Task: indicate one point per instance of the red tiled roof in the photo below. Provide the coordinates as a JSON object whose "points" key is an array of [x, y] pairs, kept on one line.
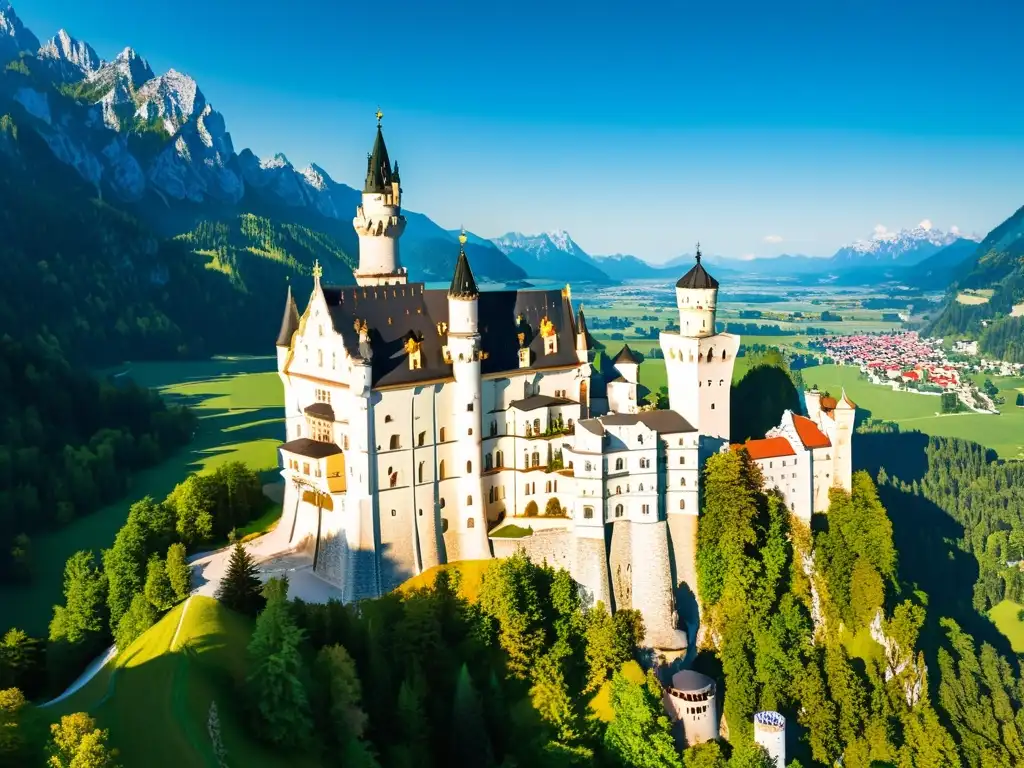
{"points": [[768, 448], [809, 434]]}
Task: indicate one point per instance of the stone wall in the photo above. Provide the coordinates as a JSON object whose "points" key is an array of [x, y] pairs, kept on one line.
{"points": [[682, 536], [620, 565], [652, 586], [590, 570]]}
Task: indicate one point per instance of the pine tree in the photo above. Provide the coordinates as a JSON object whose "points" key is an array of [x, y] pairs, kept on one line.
{"points": [[178, 571], [241, 589], [158, 586], [470, 742], [276, 683], [83, 614], [140, 616], [640, 736]]}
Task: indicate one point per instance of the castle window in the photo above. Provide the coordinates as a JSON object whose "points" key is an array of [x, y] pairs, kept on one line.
{"points": [[469, 431], [535, 459], [419, 472], [494, 428], [712, 406], [646, 509], [682, 482], [441, 503], [618, 489], [469, 503], [334, 360], [420, 512], [682, 460], [441, 473], [490, 495], [588, 466], [618, 510], [723, 354], [619, 464], [469, 467], [394, 513], [640, 439], [421, 438], [396, 442], [682, 503], [487, 462], [721, 382], [570, 425], [441, 438], [526, 489], [499, 459], [526, 459], [641, 487], [536, 426], [392, 478], [588, 513], [709, 382], [305, 467], [346, 442], [320, 358], [388, 419], [547, 487], [469, 407]]}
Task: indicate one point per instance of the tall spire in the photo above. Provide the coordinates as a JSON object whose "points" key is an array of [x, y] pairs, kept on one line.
{"points": [[290, 321], [463, 284], [378, 166]]}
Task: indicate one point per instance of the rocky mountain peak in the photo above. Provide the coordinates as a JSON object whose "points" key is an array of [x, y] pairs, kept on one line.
{"points": [[173, 97], [73, 59], [14, 36]]}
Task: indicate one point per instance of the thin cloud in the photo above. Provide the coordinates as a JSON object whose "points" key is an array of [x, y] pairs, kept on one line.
{"points": [[773, 239]]}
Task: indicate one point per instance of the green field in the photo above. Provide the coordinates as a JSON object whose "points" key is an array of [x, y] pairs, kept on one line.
{"points": [[1003, 433], [155, 699], [1005, 618], [238, 401]]}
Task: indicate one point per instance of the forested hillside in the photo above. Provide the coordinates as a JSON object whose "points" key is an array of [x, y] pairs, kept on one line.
{"points": [[998, 267]]}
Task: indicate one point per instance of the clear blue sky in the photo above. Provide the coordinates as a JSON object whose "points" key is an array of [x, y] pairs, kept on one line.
{"points": [[637, 127]]}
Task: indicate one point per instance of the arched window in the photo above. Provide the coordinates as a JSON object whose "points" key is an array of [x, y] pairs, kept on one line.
{"points": [[499, 459], [441, 440], [588, 513], [711, 354], [487, 462], [682, 482], [618, 489], [547, 487], [640, 439], [388, 419], [618, 510], [441, 473], [396, 442], [469, 467], [393, 479], [641, 487], [570, 424], [619, 464], [471, 523], [723, 354], [536, 459], [419, 472], [682, 503], [394, 513]]}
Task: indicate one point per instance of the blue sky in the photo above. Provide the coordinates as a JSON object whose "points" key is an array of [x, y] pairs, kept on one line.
{"points": [[757, 128]]}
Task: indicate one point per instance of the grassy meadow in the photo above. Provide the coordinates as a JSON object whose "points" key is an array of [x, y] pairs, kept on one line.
{"points": [[155, 697], [239, 403], [1004, 616]]}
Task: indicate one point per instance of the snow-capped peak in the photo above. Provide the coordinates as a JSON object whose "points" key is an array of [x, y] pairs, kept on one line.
{"points": [[905, 245], [15, 37], [174, 97], [316, 177], [277, 161], [542, 245], [73, 57]]}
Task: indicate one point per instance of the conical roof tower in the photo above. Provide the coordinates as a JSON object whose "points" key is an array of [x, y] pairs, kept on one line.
{"points": [[290, 321]]}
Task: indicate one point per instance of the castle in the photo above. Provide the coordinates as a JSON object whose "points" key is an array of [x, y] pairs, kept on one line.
{"points": [[428, 426]]}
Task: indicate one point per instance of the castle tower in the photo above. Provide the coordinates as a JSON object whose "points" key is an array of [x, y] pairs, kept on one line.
{"points": [[586, 349], [845, 415], [379, 221], [699, 360], [469, 521], [622, 391]]}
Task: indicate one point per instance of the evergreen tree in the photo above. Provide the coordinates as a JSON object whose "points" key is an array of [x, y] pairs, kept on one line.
{"points": [[241, 589], [193, 504], [140, 616], [277, 677], [640, 736], [125, 566], [178, 571], [470, 741], [509, 593], [342, 692], [158, 586], [84, 613], [77, 743], [413, 727], [550, 693]]}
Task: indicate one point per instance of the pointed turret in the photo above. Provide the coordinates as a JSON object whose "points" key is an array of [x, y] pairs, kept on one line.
{"points": [[845, 402], [463, 284], [290, 321], [378, 171], [583, 338]]}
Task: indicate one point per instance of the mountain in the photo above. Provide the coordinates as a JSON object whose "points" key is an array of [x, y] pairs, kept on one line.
{"points": [[943, 268], [154, 146], [906, 247], [551, 255], [996, 266]]}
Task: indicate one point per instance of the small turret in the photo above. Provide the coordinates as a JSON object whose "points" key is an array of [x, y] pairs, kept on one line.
{"points": [[290, 321], [379, 222], [378, 171], [463, 283], [696, 298], [584, 341]]}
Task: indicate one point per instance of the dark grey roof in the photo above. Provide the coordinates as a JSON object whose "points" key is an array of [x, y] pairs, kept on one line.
{"points": [[626, 355], [534, 402], [463, 284], [393, 313], [311, 449], [660, 421], [378, 166], [690, 680], [697, 278], [581, 327], [320, 411], [594, 426], [290, 321]]}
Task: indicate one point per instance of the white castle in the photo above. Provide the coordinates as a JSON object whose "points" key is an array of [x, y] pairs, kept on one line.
{"points": [[422, 423]]}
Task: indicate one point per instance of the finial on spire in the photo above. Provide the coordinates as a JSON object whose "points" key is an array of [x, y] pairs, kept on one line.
{"points": [[318, 271], [462, 236], [380, 116], [698, 252]]}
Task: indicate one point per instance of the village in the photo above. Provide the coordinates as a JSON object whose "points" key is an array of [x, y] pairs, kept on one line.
{"points": [[905, 361]]}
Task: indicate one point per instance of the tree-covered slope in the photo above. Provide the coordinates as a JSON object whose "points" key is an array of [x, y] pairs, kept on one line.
{"points": [[998, 266]]}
